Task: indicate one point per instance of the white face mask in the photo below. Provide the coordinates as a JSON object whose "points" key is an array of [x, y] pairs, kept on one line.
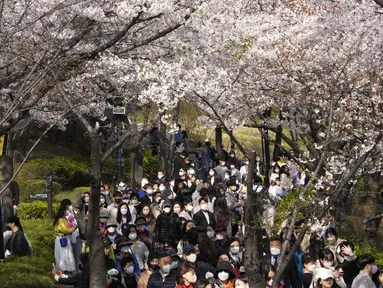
{"points": [[190, 208], [234, 188], [220, 237], [223, 276], [275, 251], [191, 258], [158, 199], [111, 229], [146, 213], [270, 283], [166, 268], [181, 173], [171, 183], [223, 163], [70, 209], [167, 209], [227, 177], [129, 270], [211, 173], [231, 155], [160, 176], [257, 159], [328, 264], [190, 184], [192, 279], [132, 236], [124, 211], [232, 166], [210, 234], [331, 240], [162, 188], [311, 268], [234, 250], [177, 210], [102, 201], [149, 191], [204, 207]]}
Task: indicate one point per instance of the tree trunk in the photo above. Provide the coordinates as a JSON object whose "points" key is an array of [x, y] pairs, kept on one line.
{"points": [[97, 258], [136, 161], [218, 142], [375, 187], [253, 239], [169, 171], [6, 164], [278, 139], [163, 148]]}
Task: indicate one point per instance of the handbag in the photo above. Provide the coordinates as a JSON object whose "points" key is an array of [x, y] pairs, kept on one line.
{"points": [[63, 242]]}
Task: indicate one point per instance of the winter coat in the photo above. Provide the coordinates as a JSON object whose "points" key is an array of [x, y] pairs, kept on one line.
{"points": [[157, 281], [167, 227]]}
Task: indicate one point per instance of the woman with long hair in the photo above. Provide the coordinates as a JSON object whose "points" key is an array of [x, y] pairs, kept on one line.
{"points": [[223, 215], [123, 216], [207, 251], [64, 227], [147, 213], [138, 247]]}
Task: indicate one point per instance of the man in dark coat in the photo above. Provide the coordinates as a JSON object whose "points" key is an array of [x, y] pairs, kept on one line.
{"points": [[203, 217], [290, 278], [164, 277]]}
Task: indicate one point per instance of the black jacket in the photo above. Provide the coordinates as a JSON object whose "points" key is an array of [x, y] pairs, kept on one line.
{"points": [[156, 280], [290, 277], [201, 268], [79, 280], [145, 200], [201, 222], [18, 245], [167, 227]]}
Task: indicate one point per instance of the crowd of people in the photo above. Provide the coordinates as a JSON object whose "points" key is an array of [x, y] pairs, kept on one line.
{"points": [[187, 231]]}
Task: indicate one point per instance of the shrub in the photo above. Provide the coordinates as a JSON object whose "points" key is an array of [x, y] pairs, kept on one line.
{"points": [[32, 272], [151, 165], [35, 186], [35, 210], [71, 195]]}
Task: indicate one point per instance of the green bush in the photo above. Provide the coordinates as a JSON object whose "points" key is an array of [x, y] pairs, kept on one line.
{"points": [[35, 186], [35, 210], [151, 166], [71, 195], [32, 272]]}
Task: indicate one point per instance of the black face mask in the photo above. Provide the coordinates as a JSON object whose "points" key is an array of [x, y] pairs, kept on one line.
{"points": [[154, 267]]}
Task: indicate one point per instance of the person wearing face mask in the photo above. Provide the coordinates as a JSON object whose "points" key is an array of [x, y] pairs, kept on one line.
{"points": [[113, 208], [214, 179], [224, 275], [151, 266], [135, 203], [222, 240], [111, 230], [103, 217], [123, 251], [83, 203], [235, 254], [103, 204], [141, 192], [148, 198], [269, 275], [64, 257], [232, 160], [274, 173], [332, 239], [203, 217], [210, 232], [308, 271], [221, 169], [123, 216], [187, 211], [290, 277], [326, 260], [129, 278], [160, 177], [189, 255], [143, 234], [149, 217], [367, 266], [186, 276], [138, 248], [167, 226], [234, 172], [179, 163], [15, 241], [347, 261], [164, 277], [234, 205]]}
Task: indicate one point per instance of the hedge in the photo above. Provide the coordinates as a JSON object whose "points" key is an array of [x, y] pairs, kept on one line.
{"points": [[35, 210], [71, 195], [32, 272]]}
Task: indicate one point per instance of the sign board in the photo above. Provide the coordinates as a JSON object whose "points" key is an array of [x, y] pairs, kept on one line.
{"points": [[118, 110], [38, 196]]}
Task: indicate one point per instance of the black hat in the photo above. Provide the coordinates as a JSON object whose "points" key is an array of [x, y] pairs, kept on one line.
{"points": [[188, 248], [224, 266]]}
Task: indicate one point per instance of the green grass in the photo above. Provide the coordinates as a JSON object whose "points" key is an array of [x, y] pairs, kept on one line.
{"points": [[31, 272]]}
